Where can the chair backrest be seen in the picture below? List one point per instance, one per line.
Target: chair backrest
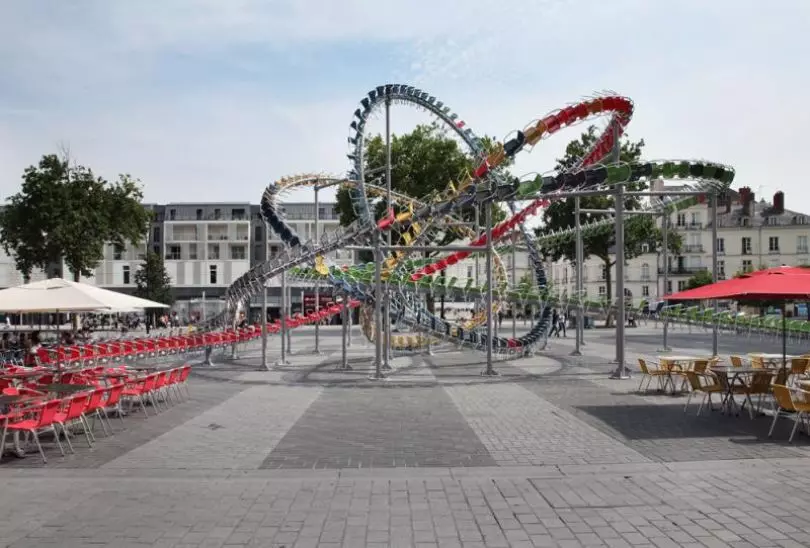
(694, 380)
(49, 411)
(76, 406)
(798, 366)
(781, 394)
(760, 382)
(736, 361)
(757, 362)
(643, 366)
(95, 399)
(184, 373)
(700, 365)
(114, 395)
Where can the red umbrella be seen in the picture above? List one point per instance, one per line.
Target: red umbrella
(775, 284)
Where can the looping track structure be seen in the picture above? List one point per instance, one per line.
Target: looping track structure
(418, 218)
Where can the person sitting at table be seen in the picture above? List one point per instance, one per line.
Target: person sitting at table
(32, 346)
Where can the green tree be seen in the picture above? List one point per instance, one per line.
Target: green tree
(66, 213)
(701, 278)
(601, 242)
(153, 282)
(423, 163)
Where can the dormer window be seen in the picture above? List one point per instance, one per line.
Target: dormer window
(743, 221)
(773, 221)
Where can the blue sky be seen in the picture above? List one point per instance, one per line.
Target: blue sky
(210, 99)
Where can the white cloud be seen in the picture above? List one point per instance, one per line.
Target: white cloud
(722, 81)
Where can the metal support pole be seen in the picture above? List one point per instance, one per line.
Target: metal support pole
(317, 281)
(621, 370)
(477, 235)
(264, 327)
(514, 286)
(289, 314)
(378, 349)
(580, 329)
(344, 355)
(283, 319)
(714, 271)
(490, 320)
(665, 260)
(388, 205)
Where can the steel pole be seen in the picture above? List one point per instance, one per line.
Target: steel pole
(477, 235)
(344, 355)
(714, 271)
(283, 318)
(378, 349)
(264, 327)
(317, 281)
(665, 260)
(514, 286)
(580, 329)
(620, 367)
(289, 314)
(388, 205)
(490, 324)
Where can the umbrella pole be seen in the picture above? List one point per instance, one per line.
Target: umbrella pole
(784, 337)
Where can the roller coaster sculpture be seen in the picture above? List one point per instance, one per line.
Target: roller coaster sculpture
(420, 218)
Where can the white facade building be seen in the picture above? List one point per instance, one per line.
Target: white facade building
(750, 235)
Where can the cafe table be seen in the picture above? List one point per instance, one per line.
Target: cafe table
(677, 364)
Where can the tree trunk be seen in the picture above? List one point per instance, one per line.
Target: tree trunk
(608, 293)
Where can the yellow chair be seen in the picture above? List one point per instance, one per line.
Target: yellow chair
(712, 385)
(757, 362)
(736, 361)
(785, 404)
(649, 373)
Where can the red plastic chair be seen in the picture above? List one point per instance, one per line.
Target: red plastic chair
(74, 413)
(41, 419)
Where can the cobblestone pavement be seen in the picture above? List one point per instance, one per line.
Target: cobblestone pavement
(550, 453)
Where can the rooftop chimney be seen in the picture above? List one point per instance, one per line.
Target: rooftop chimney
(779, 202)
(746, 199)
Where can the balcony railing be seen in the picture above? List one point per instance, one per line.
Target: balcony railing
(684, 270)
(693, 248)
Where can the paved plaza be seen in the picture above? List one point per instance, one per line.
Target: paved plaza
(549, 453)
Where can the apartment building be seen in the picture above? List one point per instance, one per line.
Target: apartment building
(751, 234)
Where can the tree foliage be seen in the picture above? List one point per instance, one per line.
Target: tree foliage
(67, 213)
(423, 163)
(152, 281)
(701, 278)
(601, 242)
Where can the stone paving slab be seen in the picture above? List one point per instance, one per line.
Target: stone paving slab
(520, 428)
(378, 427)
(704, 509)
(238, 433)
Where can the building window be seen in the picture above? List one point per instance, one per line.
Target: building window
(469, 272)
(238, 214)
(212, 274)
(645, 248)
(156, 249)
(258, 231)
(257, 252)
(721, 245)
(669, 286)
(192, 252)
(602, 291)
(173, 253)
(645, 290)
(156, 234)
(773, 244)
(680, 220)
(217, 214)
(695, 219)
(645, 271)
(238, 253)
(747, 266)
(213, 252)
(773, 221)
(125, 271)
(604, 272)
(681, 285)
(743, 221)
(172, 214)
(199, 214)
(801, 244)
(721, 270)
(746, 246)
(118, 252)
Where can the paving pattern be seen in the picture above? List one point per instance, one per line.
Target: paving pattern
(518, 428)
(550, 453)
(237, 434)
(378, 427)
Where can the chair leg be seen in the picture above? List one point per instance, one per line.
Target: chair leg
(67, 438)
(643, 378)
(56, 437)
(796, 420)
(39, 446)
(688, 399)
(776, 412)
(86, 429)
(703, 401)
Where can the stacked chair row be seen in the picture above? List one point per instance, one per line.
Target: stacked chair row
(107, 389)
